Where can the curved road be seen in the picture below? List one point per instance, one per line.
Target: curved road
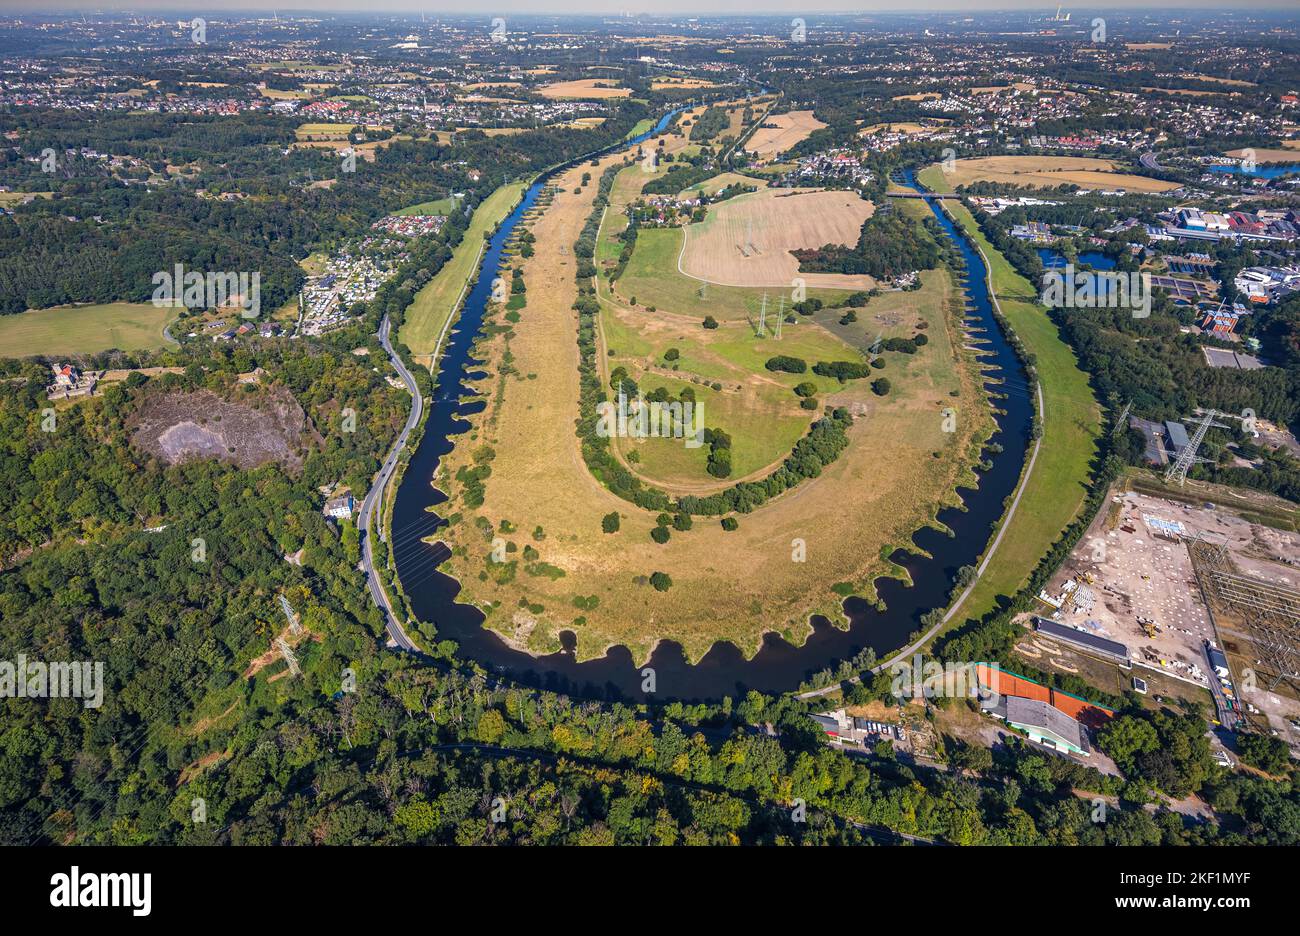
(374, 497)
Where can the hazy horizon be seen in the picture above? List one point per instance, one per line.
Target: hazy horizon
(710, 8)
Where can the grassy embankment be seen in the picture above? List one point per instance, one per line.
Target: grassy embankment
(434, 304)
(1071, 419)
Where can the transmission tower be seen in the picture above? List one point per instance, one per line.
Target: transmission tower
(1122, 422)
(762, 317)
(1188, 457)
(295, 626)
(287, 652)
(780, 316)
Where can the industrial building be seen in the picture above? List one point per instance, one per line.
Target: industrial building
(1110, 650)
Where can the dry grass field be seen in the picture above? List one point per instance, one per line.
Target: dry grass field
(584, 88)
(782, 131)
(746, 240)
(1189, 92)
(920, 96)
(324, 131)
(1235, 82)
(1046, 172)
(899, 468)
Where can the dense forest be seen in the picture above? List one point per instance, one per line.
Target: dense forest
(237, 198)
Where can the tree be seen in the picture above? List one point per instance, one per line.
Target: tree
(1264, 752)
(790, 365)
(880, 386)
(710, 322)
(661, 581)
(491, 726)
(1125, 738)
(660, 534)
(610, 522)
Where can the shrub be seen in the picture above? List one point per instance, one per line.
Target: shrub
(710, 322)
(880, 386)
(806, 389)
(730, 523)
(661, 581)
(610, 522)
(790, 365)
(660, 534)
(841, 370)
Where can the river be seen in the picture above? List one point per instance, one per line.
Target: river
(778, 666)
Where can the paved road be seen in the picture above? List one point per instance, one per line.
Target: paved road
(1149, 161)
(376, 493)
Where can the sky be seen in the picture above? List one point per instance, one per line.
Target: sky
(614, 7)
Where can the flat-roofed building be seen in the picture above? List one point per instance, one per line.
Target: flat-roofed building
(1176, 433)
(1092, 643)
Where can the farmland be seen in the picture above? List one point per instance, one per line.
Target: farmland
(779, 132)
(1264, 156)
(747, 240)
(583, 89)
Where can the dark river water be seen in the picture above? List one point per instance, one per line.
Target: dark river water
(779, 666)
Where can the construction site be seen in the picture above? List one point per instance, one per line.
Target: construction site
(1193, 598)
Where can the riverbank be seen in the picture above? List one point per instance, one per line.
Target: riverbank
(1070, 419)
(427, 316)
